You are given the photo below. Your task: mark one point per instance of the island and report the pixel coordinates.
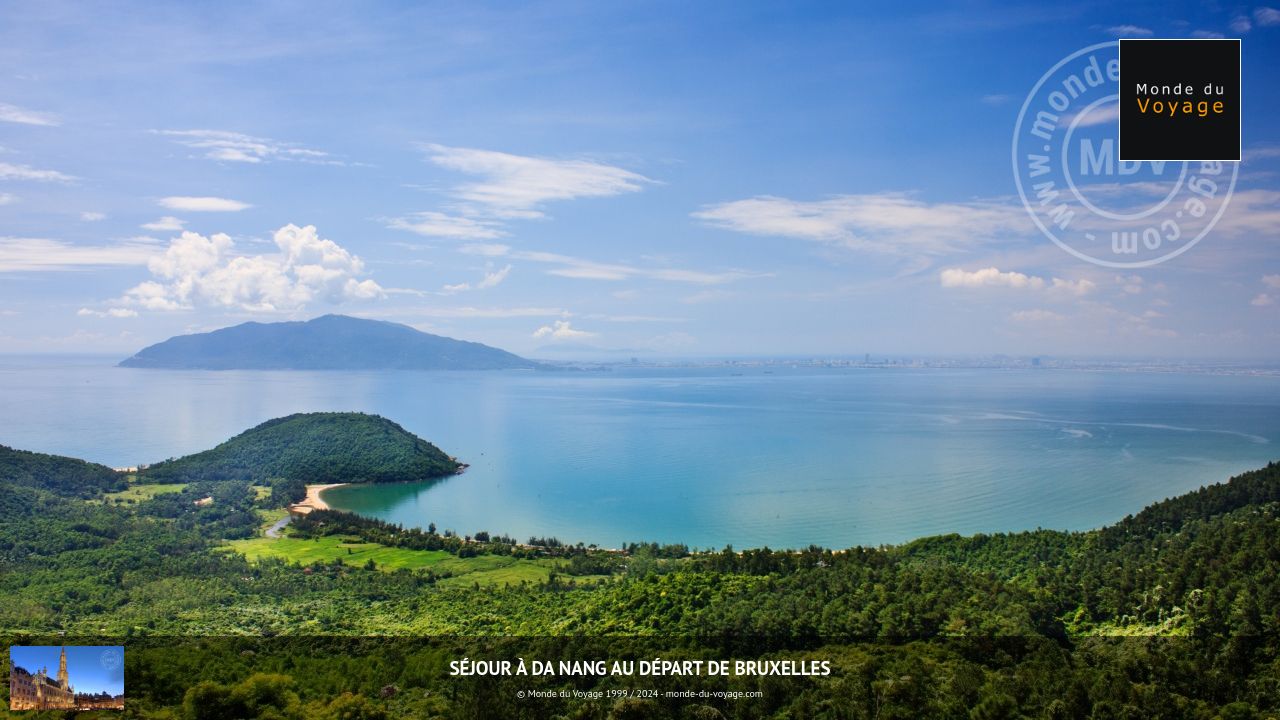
(329, 342)
(291, 453)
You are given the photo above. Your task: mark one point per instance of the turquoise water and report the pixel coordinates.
(705, 456)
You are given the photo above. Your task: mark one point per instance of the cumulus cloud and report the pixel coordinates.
(994, 277)
(199, 270)
(1262, 300)
(237, 147)
(168, 223)
(561, 330)
(202, 204)
(43, 255)
(988, 277)
(1240, 24)
(23, 172)
(15, 114)
(879, 222)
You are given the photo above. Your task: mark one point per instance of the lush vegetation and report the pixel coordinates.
(306, 448)
(1171, 613)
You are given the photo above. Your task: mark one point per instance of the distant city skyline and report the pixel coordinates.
(564, 180)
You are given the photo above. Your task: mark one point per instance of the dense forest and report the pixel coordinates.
(1171, 613)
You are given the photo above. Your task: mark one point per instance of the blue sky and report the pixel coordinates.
(86, 669)
(560, 179)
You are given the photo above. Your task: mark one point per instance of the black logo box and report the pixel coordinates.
(1182, 65)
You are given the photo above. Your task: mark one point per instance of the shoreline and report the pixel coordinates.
(313, 501)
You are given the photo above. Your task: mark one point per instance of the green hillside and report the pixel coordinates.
(1171, 613)
(62, 475)
(313, 448)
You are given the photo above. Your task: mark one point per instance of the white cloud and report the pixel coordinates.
(489, 313)
(988, 277)
(880, 222)
(1207, 35)
(1271, 281)
(6, 199)
(1262, 300)
(15, 114)
(92, 216)
(1262, 152)
(1266, 16)
(1036, 317)
(237, 147)
(24, 172)
(561, 330)
(203, 204)
(198, 270)
(1251, 211)
(1105, 114)
(491, 278)
(168, 223)
(994, 277)
(579, 268)
(1072, 287)
(437, 224)
(1131, 284)
(996, 99)
(515, 186)
(1240, 24)
(485, 249)
(42, 255)
(115, 312)
(1129, 31)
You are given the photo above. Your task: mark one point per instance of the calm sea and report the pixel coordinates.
(704, 456)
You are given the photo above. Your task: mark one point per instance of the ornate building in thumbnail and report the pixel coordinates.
(38, 691)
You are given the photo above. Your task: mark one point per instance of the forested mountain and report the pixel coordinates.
(330, 342)
(327, 447)
(62, 475)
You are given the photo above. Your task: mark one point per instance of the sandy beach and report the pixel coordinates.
(313, 500)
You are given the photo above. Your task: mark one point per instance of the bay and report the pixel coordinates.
(704, 456)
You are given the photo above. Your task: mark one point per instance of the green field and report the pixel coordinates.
(139, 493)
(483, 569)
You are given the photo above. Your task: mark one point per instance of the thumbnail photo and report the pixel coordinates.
(75, 677)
